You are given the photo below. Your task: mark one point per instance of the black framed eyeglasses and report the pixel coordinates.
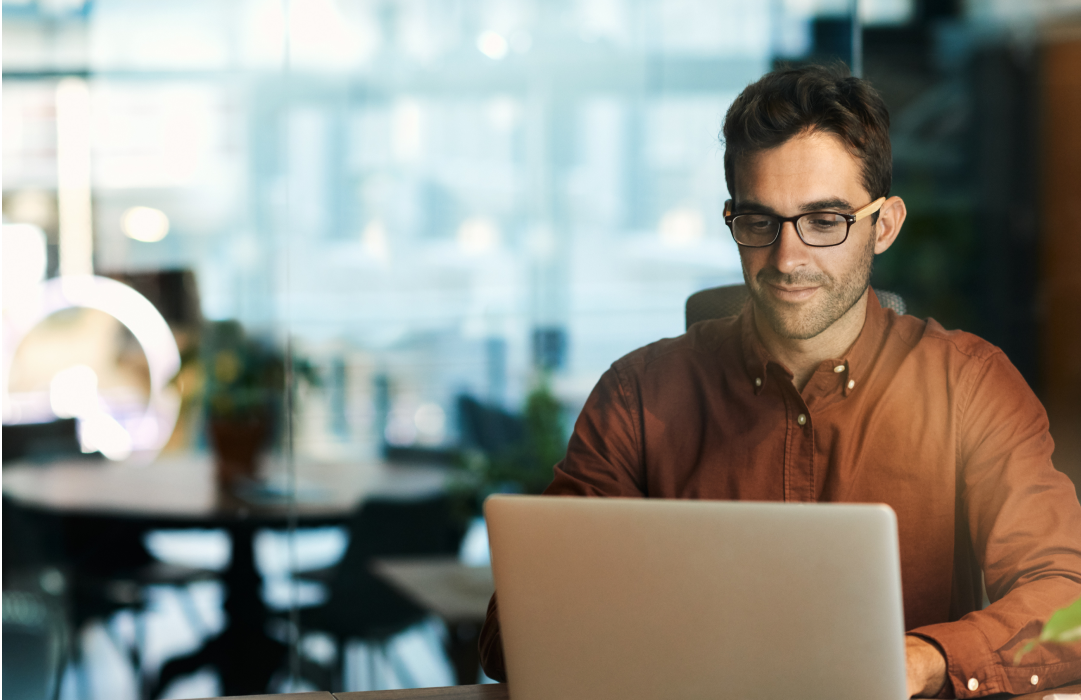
(819, 229)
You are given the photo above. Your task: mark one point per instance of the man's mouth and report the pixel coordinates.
(792, 293)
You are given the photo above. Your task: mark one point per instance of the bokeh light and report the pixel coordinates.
(493, 45)
(145, 224)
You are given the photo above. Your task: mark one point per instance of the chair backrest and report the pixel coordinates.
(32, 538)
(384, 527)
(488, 428)
(719, 302)
(34, 639)
(41, 442)
(389, 527)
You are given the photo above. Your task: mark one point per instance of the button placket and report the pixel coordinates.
(799, 448)
(848, 382)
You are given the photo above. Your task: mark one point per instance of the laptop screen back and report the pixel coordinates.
(646, 598)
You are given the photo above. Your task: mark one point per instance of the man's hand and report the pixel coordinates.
(926, 667)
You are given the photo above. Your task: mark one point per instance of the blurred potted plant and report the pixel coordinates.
(526, 465)
(243, 390)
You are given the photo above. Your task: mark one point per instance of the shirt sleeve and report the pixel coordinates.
(1024, 521)
(603, 455)
(490, 644)
(603, 459)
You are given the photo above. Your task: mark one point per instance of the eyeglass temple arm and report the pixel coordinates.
(858, 214)
(869, 209)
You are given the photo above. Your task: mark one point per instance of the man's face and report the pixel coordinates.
(800, 291)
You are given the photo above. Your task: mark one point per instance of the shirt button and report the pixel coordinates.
(839, 368)
(973, 684)
(851, 383)
(1034, 680)
(758, 381)
(801, 419)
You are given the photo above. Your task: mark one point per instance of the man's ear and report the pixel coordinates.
(727, 207)
(890, 217)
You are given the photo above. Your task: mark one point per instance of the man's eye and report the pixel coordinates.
(758, 223)
(824, 223)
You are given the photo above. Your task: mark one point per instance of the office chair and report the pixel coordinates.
(105, 564)
(719, 302)
(360, 605)
(43, 442)
(488, 428)
(35, 635)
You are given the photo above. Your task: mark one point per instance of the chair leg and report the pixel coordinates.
(400, 669)
(65, 656)
(372, 649)
(142, 685)
(316, 674)
(338, 666)
(133, 652)
(187, 604)
(82, 674)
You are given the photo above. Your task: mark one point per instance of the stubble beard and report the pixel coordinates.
(805, 321)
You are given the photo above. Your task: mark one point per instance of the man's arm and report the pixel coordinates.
(926, 668)
(1025, 526)
(490, 644)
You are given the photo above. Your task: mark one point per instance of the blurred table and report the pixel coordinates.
(181, 492)
(455, 592)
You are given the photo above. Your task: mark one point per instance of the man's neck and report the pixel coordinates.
(802, 357)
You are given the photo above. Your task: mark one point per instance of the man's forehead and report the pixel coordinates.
(809, 172)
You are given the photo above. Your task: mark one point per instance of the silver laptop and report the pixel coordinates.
(646, 598)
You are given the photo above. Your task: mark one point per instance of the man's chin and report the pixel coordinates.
(793, 329)
(787, 320)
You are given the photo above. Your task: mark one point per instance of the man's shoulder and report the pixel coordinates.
(929, 335)
(710, 340)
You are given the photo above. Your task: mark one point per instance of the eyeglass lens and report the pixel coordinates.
(815, 229)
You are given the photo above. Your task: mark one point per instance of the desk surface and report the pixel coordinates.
(499, 692)
(493, 691)
(443, 585)
(183, 488)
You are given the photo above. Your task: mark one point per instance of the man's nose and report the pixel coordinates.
(788, 251)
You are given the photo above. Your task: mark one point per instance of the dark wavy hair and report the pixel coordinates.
(814, 98)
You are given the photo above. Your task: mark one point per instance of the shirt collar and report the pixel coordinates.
(857, 362)
(756, 358)
(861, 357)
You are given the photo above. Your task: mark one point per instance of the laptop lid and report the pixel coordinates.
(649, 598)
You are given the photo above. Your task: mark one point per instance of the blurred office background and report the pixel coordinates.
(441, 221)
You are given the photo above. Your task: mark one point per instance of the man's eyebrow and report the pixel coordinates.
(827, 204)
(751, 206)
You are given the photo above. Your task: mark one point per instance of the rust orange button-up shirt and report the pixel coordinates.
(937, 424)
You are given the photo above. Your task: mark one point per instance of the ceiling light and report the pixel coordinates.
(145, 224)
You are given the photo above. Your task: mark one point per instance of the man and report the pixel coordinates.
(817, 393)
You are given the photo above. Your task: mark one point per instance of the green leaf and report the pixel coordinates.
(1064, 625)
(1023, 651)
